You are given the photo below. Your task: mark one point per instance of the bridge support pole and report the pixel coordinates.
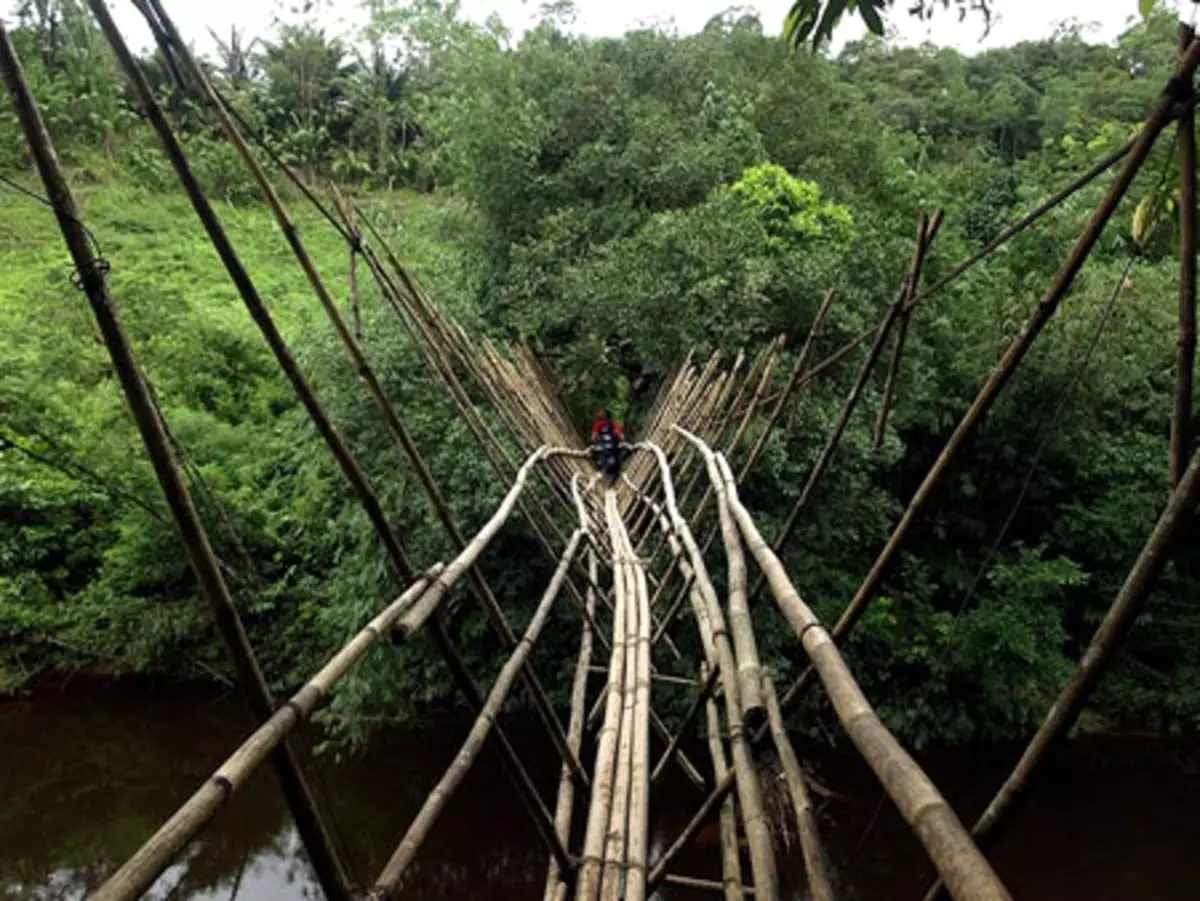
(158, 447)
(1186, 360)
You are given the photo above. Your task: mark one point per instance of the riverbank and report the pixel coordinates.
(85, 776)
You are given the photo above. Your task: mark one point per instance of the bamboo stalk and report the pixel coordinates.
(806, 822)
(749, 672)
(702, 695)
(709, 616)
(702, 885)
(249, 294)
(1176, 516)
(616, 846)
(587, 885)
(1020, 345)
(1186, 359)
(926, 232)
(387, 410)
(389, 878)
(955, 857)
(731, 865)
(201, 558)
(420, 612)
(141, 870)
(793, 384)
(565, 804)
(513, 768)
(639, 793)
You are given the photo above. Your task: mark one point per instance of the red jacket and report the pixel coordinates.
(601, 422)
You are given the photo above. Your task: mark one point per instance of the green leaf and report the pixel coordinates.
(870, 14)
(1146, 7)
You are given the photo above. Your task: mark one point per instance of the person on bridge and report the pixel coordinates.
(607, 438)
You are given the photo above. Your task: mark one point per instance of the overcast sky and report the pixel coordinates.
(1014, 20)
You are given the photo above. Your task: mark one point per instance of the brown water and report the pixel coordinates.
(84, 778)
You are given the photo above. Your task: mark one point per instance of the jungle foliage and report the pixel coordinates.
(615, 203)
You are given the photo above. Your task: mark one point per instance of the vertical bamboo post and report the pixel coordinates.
(565, 805)
(1177, 515)
(926, 231)
(793, 382)
(1020, 345)
(166, 469)
(241, 279)
(1186, 362)
(806, 821)
(731, 865)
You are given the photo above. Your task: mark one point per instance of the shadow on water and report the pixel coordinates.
(85, 778)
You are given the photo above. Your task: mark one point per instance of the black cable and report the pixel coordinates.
(101, 261)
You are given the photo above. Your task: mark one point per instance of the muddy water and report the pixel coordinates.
(85, 777)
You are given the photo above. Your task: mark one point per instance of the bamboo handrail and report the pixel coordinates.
(709, 616)
(150, 861)
(959, 862)
(749, 673)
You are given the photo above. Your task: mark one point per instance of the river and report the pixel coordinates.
(86, 776)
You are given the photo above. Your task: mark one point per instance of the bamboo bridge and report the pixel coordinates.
(631, 563)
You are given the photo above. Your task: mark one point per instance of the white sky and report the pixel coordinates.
(1014, 20)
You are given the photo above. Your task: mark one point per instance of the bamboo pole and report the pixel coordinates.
(150, 861)
(362, 366)
(1020, 345)
(749, 672)
(388, 881)
(926, 231)
(513, 768)
(616, 848)
(639, 792)
(250, 297)
(806, 821)
(587, 885)
(1178, 515)
(702, 695)
(429, 602)
(1186, 359)
(565, 804)
(158, 447)
(793, 383)
(709, 616)
(731, 865)
(702, 885)
(955, 857)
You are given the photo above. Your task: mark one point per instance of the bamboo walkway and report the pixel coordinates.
(626, 558)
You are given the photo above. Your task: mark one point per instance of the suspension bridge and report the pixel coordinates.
(631, 564)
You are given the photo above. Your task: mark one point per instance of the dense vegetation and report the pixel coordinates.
(615, 202)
